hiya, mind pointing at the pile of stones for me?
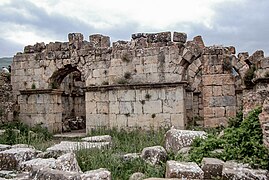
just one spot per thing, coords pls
(24, 162)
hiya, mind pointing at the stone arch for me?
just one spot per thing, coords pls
(58, 76)
(73, 97)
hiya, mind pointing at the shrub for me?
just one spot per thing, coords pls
(33, 86)
(147, 96)
(122, 81)
(249, 75)
(242, 141)
(127, 75)
(105, 83)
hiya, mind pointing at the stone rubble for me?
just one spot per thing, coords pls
(212, 168)
(176, 139)
(154, 155)
(184, 170)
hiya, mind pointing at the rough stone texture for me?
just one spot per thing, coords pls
(131, 156)
(69, 146)
(45, 173)
(11, 158)
(212, 168)
(237, 171)
(101, 174)
(154, 155)
(137, 176)
(106, 86)
(67, 162)
(184, 170)
(38, 162)
(176, 139)
(104, 138)
(4, 147)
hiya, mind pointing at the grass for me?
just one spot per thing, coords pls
(19, 133)
(123, 142)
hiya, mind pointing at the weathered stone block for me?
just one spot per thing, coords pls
(212, 168)
(176, 139)
(99, 40)
(184, 170)
(237, 171)
(179, 37)
(101, 173)
(11, 158)
(154, 155)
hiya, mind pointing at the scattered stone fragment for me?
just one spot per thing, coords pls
(10, 159)
(239, 171)
(130, 156)
(212, 168)
(176, 139)
(22, 146)
(101, 173)
(184, 170)
(67, 162)
(154, 155)
(184, 150)
(7, 174)
(137, 176)
(45, 173)
(69, 146)
(104, 138)
(38, 162)
(4, 147)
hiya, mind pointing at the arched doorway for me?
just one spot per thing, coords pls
(68, 80)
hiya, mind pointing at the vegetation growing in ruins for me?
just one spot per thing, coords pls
(123, 142)
(266, 74)
(249, 75)
(125, 58)
(54, 85)
(122, 81)
(241, 141)
(33, 86)
(147, 96)
(127, 75)
(19, 133)
(105, 83)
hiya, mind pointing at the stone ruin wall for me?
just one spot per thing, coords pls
(153, 80)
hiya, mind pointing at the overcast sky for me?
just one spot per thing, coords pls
(241, 23)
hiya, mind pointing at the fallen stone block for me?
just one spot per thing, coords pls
(67, 162)
(212, 168)
(68, 146)
(137, 176)
(10, 159)
(239, 171)
(4, 147)
(101, 173)
(45, 173)
(188, 170)
(38, 162)
(130, 156)
(154, 155)
(104, 138)
(176, 139)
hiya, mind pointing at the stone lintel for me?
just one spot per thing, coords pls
(40, 91)
(135, 86)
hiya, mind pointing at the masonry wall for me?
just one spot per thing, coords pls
(139, 107)
(43, 107)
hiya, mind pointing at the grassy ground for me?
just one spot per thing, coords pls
(123, 142)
